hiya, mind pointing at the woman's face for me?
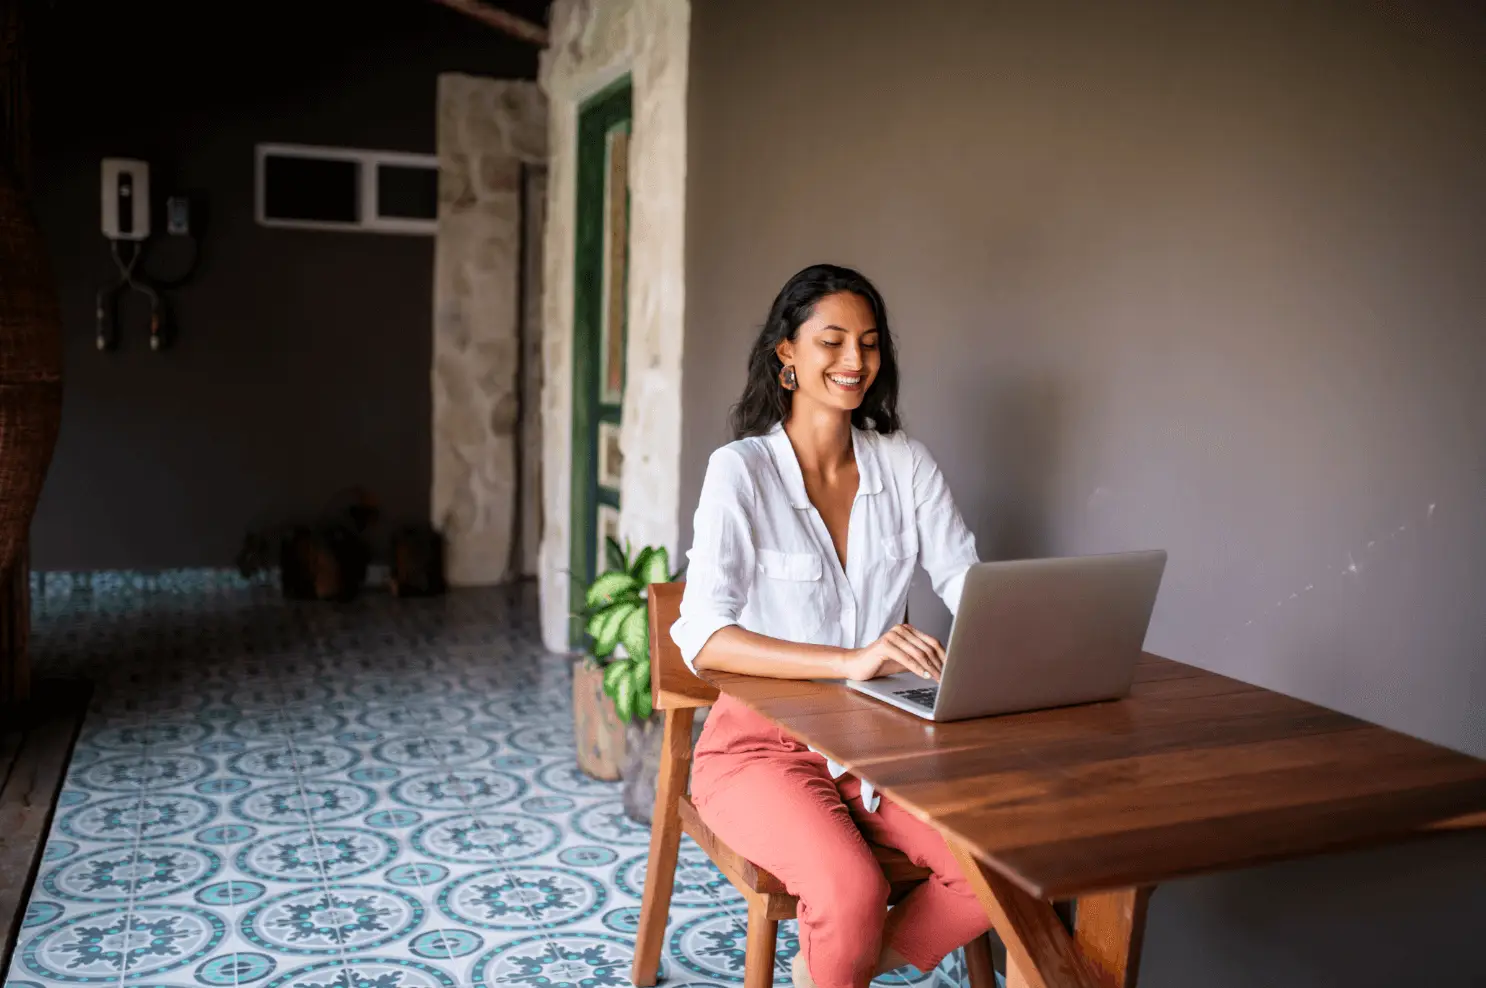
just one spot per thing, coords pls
(835, 353)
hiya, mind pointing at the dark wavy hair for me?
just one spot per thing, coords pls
(765, 403)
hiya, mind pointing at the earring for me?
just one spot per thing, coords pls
(787, 379)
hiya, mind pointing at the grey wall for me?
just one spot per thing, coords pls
(303, 360)
(1193, 276)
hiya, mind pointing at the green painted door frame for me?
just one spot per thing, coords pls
(604, 122)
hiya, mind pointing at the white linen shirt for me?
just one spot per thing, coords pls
(762, 557)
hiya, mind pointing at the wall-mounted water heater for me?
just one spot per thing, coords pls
(126, 199)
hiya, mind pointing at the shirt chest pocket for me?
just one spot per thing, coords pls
(900, 549)
(792, 594)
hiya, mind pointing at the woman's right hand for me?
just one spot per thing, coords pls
(902, 649)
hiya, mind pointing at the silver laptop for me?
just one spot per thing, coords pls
(1037, 633)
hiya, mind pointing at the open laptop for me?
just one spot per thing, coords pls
(1036, 633)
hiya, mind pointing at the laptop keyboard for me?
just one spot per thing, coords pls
(923, 696)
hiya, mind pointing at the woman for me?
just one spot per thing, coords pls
(806, 535)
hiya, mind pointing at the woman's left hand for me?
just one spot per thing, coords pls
(902, 649)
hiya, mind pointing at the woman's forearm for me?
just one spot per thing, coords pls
(732, 649)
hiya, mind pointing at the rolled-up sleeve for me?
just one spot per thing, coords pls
(946, 547)
(719, 572)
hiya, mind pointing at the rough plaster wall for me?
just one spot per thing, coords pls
(594, 44)
(1200, 276)
(487, 128)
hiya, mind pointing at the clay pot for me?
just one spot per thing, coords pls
(643, 744)
(596, 728)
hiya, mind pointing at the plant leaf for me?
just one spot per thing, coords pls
(615, 671)
(614, 554)
(640, 676)
(589, 613)
(609, 588)
(638, 570)
(613, 624)
(594, 627)
(655, 567)
(635, 634)
(627, 597)
(624, 699)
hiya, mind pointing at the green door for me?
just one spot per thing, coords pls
(599, 329)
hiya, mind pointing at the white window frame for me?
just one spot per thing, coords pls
(367, 194)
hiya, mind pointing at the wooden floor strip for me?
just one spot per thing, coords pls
(35, 747)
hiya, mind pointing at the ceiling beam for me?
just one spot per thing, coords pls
(501, 20)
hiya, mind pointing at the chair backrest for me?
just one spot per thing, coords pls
(672, 684)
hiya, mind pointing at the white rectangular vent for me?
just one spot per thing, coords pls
(322, 188)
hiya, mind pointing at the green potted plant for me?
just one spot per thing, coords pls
(618, 736)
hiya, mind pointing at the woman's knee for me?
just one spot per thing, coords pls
(853, 893)
(842, 912)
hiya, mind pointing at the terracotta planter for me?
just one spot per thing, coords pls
(596, 727)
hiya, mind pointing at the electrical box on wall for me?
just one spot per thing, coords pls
(178, 216)
(126, 199)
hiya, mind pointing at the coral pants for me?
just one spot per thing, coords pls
(772, 800)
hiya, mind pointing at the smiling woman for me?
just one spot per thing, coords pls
(819, 310)
(838, 345)
(807, 532)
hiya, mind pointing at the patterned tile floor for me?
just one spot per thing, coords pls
(375, 795)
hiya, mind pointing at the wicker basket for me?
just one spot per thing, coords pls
(30, 360)
(30, 368)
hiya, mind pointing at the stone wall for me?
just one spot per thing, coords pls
(594, 43)
(487, 129)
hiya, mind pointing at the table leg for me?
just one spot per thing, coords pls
(1109, 928)
(1039, 951)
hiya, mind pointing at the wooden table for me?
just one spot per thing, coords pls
(1193, 773)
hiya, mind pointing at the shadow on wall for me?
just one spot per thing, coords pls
(1371, 918)
(1007, 491)
(1025, 422)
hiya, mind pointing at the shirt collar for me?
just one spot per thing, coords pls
(869, 471)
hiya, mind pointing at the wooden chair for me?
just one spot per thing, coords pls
(678, 692)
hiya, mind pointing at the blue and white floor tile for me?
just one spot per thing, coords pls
(376, 795)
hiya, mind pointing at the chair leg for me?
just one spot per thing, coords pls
(665, 842)
(978, 964)
(758, 959)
